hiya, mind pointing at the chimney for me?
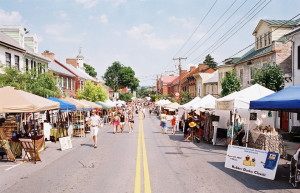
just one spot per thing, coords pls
(72, 61)
(48, 54)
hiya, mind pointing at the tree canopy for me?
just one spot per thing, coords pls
(210, 62)
(230, 83)
(118, 76)
(270, 77)
(43, 84)
(92, 92)
(90, 70)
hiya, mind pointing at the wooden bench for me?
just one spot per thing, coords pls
(31, 152)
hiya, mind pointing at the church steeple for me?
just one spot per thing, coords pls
(80, 59)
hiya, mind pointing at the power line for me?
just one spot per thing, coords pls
(211, 27)
(226, 20)
(270, 32)
(195, 29)
(227, 33)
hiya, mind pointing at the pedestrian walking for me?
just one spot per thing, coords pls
(122, 121)
(173, 123)
(163, 123)
(116, 123)
(130, 121)
(95, 123)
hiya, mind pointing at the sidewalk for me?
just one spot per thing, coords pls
(12, 172)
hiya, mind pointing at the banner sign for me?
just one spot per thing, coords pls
(252, 161)
(65, 143)
(224, 105)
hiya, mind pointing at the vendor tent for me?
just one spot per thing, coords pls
(79, 105)
(172, 106)
(162, 102)
(191, 104)
(286, 100)
(18, 101)
(93, 105)
(63, 104)
(207, 102)
(104, 105)
(241, 99)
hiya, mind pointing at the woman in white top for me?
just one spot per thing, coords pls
(163, 122)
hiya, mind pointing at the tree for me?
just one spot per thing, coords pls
(230, 83)
(92, 92)
(210, 62)
(270, 77)
(43, 84)
(185, 97)
(90, 70)
(126, 96)
(118, 76)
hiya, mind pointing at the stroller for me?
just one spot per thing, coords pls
(295, 169)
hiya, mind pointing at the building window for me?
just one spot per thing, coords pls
(269, 37)
(257, 40)
(26, 65)
(70, 84)
(31, 65)
(8, 59)
(260, 41)
(298, 57)
(265, 39)
(252, 72)
(241, 75)
(265, 65)
(17, 62)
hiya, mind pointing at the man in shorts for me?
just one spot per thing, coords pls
(95, 123)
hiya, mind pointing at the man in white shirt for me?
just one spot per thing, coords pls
(95, 123)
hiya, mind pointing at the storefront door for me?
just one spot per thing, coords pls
(284, 121)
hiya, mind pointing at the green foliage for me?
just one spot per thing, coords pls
(92, 92)
(144, 92)
(90, 70)
(118, 76)
(126, 96)
(185, 97)
(230, 83)
(44, 84)
(210, 62)
(270, 77)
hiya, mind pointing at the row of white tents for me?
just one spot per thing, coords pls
(237, 102)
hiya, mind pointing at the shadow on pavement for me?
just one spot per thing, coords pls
(89, 145)
(281, 181)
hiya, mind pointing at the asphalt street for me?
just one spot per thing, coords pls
(143, 161)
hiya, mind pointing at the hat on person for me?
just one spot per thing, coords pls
(192, 124)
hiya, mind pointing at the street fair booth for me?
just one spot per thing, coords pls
(22, 126)
(253, 159)
(236, 105)
(78, 117)
(59, 121)
(286, 100)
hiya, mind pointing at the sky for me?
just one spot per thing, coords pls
(146, 35)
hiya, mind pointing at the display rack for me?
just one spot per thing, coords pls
(78, 125)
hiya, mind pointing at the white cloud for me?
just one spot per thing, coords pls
(63, 14)
(183, 21)
(102, 18)
(119, 2)
(88, 3)
(56, 29)
(144, 33)
(10, 18)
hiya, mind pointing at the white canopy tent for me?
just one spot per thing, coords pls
(207, 102)
(162, 102)
(191, 104)
(238, 103)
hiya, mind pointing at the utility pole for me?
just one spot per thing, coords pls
(179, 67)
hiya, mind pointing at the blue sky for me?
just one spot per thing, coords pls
(143, 34)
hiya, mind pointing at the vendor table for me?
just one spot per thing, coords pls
(267, 142)
(16, 146)
(58, 133)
